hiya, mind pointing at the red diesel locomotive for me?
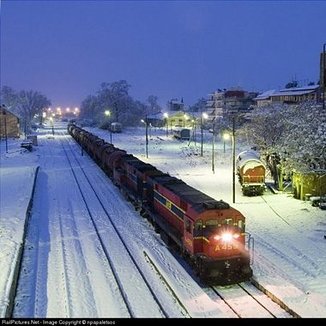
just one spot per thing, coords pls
(209, 233)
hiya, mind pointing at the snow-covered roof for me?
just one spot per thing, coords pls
(158, 115)
(3, 107)
(289, 92)
(265, 95)
(298, 89)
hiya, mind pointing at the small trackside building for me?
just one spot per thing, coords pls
(9, 124)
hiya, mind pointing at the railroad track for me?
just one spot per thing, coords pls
(31, 295)
(83, 181)
(247, 301)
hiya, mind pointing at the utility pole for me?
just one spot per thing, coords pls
(233, 157)
(146, 128)
(324, 76)
(213, 153)
(201, 136)
(5, 125)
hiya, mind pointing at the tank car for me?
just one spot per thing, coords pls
(210, 234)
(251, 172)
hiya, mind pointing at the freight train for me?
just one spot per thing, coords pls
(251, 172)
(208, 233)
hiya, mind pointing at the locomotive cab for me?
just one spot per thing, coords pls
(219, 245)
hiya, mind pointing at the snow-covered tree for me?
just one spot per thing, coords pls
(26, 104)
(289, 137)
(153, 104)
(113, 97)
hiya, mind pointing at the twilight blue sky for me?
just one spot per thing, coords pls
(171, 49)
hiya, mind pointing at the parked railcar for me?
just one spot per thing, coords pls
(181, 133)
(251, 172)
(116, 127)
(208, 233)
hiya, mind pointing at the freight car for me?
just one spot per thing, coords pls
(251, 172)
(182, 134)
(210, 234)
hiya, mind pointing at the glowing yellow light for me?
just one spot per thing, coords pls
(227, 237)
(226, 136)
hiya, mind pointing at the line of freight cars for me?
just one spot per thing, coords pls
(209, 234)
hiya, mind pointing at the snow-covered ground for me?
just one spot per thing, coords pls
(289, 253)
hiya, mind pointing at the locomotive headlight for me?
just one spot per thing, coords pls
(227, 237)
(236, 235)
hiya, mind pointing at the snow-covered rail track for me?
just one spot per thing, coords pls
(247, 301)
(98, 212)
(45, 263)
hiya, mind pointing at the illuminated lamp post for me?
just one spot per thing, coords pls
(43, 116)
(233, 158)
(213, 147)
(194, 130)
(76, 111)
(232, 136)
(226, 136)
(52, 126)
(324, 76)
(108, 114)
(4, 113)
(146, 134)
(186, 118)
(166, 116)
(203, 116)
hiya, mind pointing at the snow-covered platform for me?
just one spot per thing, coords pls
(14, 212)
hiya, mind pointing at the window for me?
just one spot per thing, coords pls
(241, 225)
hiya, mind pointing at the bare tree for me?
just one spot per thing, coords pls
(26, 104)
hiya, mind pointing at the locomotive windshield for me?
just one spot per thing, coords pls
(209, 227)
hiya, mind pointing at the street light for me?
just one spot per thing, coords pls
(146, 133)
(166, 116)
(233, 157)
(194, 130)
(4, 113)
(108, 114)
(324, 76)
(232, 136)
(186, 118)
(203, 116)
(213, 147)
(52, 126)
(43, 116)
(226, 136)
